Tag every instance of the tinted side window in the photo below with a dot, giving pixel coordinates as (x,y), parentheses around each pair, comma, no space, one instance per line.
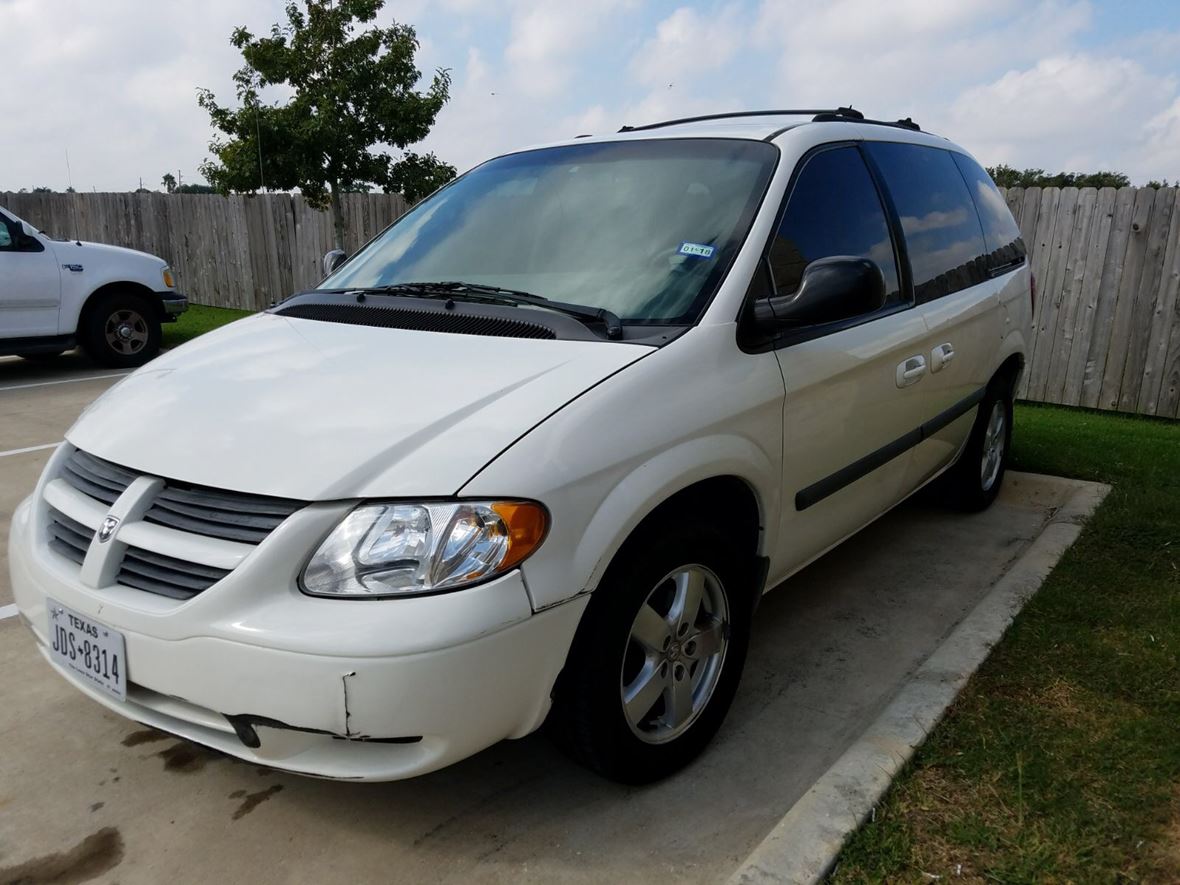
(942,232)
(6,239)
(1004,246)
(833,209)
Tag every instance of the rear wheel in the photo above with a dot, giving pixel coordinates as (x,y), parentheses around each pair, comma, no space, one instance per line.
(974,482)
(658,656)
(120,330)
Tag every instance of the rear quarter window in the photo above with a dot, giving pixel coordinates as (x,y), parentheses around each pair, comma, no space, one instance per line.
(1004,245)
(945,242)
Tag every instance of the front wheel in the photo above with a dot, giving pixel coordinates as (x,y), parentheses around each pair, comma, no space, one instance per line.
(120,330)
(658,656)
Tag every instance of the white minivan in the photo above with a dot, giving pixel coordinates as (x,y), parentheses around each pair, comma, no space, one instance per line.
(532,455)
(58,294)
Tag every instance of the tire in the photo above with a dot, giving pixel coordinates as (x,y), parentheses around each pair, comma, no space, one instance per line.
(975,480)
(120,330)
(682,677)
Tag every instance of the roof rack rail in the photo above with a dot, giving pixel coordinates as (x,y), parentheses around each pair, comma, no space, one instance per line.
(832,113)
(828,117)
(821,115)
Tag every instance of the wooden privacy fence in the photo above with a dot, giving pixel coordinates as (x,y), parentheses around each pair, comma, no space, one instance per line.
(232,251)
(1107,264)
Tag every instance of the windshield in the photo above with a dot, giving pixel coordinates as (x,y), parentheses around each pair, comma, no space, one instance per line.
(645,229)
(28,228)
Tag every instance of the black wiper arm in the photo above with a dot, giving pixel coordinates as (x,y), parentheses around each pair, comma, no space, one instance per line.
(614,326)
(457,288)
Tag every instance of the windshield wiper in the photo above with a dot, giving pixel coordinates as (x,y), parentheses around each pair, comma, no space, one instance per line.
(461,290)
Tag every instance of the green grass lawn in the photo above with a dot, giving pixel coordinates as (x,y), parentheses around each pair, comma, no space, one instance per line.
(1060,761)
(198,320)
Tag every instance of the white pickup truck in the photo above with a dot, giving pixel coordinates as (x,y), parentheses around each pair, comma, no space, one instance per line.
(58,294)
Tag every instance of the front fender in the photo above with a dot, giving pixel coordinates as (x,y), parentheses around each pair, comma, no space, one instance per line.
(694,410)
(101,267)
(653,482)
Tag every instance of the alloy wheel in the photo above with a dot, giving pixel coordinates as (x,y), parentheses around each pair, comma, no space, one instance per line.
(675,653)
(126,332)
(994,441)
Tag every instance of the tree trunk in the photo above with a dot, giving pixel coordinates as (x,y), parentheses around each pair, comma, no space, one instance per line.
(337,216)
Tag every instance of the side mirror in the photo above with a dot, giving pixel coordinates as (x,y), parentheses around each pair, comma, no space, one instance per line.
(832,289)
(333,260)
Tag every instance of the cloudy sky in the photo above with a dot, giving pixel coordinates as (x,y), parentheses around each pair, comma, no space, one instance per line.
(1056,84)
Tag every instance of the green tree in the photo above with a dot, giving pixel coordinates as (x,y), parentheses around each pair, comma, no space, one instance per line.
(195,189)
(169,182)
(1006,176)
(353,90)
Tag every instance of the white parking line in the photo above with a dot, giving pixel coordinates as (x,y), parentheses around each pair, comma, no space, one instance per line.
(52,445)
(8,611)
(63,381)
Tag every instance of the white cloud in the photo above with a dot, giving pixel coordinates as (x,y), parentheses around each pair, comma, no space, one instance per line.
(549,38)
(1159,155)
(1074,112)
(688,44)
(115,84)
(1027,82)
(907,58)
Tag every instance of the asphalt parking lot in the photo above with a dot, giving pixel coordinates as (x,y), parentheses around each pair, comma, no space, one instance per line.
(88,796)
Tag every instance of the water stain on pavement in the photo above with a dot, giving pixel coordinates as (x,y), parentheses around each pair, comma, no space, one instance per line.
(186,758)
(253,800)
(146,736)
(98,853)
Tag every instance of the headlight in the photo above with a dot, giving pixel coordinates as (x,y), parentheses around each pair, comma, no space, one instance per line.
(398,549)
(169,281)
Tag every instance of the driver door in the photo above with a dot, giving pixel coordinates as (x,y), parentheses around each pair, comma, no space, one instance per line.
(849,413)
(30,283)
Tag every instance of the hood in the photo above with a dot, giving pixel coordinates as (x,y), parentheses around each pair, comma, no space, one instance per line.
(315,410)
(65,249)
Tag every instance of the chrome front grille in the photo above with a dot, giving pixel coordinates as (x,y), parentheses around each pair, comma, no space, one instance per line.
(166,575)
(68,537)
(226,521)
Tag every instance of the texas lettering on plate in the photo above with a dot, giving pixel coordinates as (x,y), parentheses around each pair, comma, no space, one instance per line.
(85,647)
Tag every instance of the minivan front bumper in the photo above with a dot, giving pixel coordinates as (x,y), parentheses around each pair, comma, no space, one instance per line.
(421,687)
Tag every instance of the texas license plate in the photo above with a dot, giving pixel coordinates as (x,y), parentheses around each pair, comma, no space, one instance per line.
(92,650)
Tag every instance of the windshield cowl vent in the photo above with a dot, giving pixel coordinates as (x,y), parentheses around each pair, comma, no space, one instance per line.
(417,320)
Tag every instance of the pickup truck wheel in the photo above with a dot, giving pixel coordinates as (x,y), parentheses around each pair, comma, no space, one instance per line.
(120,330)
(658,656)
(974,482)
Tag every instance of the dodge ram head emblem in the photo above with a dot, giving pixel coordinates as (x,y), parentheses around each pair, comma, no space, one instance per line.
(107,528)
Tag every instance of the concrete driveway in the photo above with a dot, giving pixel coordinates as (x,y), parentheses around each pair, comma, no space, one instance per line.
(87,796)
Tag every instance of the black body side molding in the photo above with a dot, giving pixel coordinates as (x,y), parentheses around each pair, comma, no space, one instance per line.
(831,484)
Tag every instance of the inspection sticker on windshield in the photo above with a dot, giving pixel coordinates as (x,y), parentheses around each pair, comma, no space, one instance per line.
(696,249)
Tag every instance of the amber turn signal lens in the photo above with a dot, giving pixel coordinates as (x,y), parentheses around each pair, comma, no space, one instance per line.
(527,523)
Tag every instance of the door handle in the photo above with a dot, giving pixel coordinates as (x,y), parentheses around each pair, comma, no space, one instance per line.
(911,371)
(940,356)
